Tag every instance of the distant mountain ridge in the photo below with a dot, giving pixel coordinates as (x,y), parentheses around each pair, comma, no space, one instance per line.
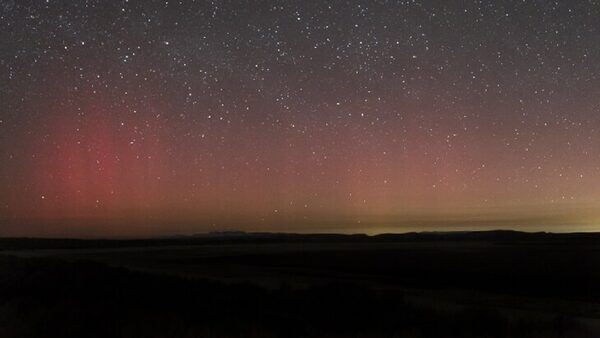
(241,237)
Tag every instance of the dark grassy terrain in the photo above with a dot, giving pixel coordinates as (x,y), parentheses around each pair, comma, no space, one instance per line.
(487,284)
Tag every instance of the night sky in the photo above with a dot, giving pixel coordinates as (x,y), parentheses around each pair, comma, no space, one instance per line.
(142,118)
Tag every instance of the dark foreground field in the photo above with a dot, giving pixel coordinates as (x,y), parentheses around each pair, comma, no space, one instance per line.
(491,284)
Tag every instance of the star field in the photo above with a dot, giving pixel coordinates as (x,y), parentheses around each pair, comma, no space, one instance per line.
(159,117)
